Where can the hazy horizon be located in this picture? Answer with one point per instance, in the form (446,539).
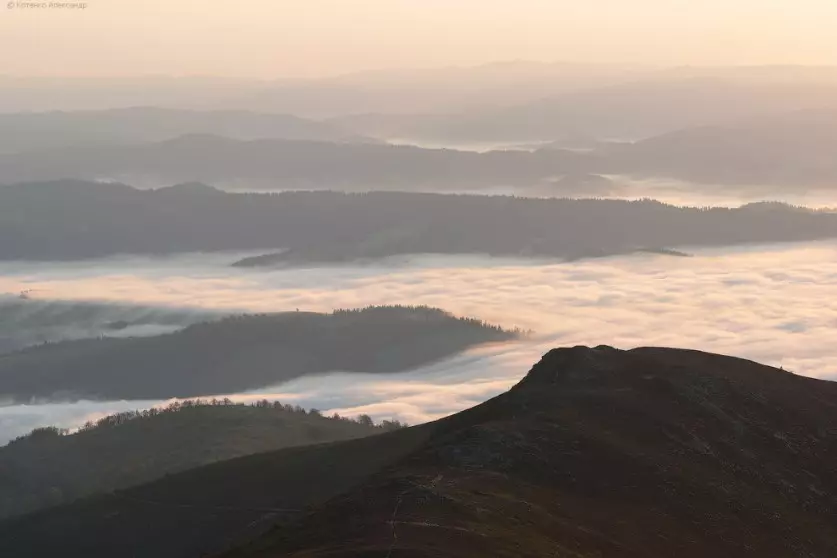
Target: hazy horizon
(318,38)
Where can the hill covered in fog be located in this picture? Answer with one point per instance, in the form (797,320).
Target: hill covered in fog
(71,220)
(49,466)
(240,353)
(31,321)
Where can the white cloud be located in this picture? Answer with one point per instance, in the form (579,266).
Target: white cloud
(773,304)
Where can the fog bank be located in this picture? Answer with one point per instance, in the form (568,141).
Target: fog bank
(773,304)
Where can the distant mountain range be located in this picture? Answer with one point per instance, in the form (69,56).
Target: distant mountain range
(70,220)
(49,467)
(411,90)
(596,452)
(794,150)
(628,111)
(278,164)
(249,151)
(37,131)
(447,90)
(240,353)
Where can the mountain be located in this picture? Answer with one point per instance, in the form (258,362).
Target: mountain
(788,148)
(280,164)
(596,452)
(49,467)
(36,131)
(392,90)
(72,220)
(631,110)
(240,353)
(793,149)
(428,90)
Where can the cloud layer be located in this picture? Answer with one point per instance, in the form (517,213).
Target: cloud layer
(773,304)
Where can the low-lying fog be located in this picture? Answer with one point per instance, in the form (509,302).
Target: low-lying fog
(773,304)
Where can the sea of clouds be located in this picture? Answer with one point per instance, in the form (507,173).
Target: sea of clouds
(774,304)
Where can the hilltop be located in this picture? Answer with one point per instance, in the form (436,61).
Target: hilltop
(596,452)
(52,466)
(240,353)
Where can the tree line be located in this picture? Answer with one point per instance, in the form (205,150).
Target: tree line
(118,419)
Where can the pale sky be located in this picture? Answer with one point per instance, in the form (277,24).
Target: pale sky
(276,38)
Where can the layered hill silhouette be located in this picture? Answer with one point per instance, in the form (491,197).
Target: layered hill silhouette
(245,151)
(794,150)
(286,164)
(240,353)
(631,110)
(35,131)
(596,452)
(50,466)
(72,220)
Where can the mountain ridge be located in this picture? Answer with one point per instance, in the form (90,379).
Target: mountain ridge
(596,451)
(523,475)
(70,220)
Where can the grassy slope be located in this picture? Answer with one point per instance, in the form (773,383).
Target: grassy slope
(597,452)
(604,453)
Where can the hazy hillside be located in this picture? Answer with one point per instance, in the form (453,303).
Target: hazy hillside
(276,164)
(597,452)
(630,110)
(46,130)
(50,467)
(241,151)
(32,321)
(794,150)
(449,88)
(70,220)
(240,353)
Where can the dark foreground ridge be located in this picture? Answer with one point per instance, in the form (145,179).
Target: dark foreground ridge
(596,452)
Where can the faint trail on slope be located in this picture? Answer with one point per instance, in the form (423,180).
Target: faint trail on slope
(393,519)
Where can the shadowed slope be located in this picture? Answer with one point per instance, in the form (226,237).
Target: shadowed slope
(597,452)
(50,467)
